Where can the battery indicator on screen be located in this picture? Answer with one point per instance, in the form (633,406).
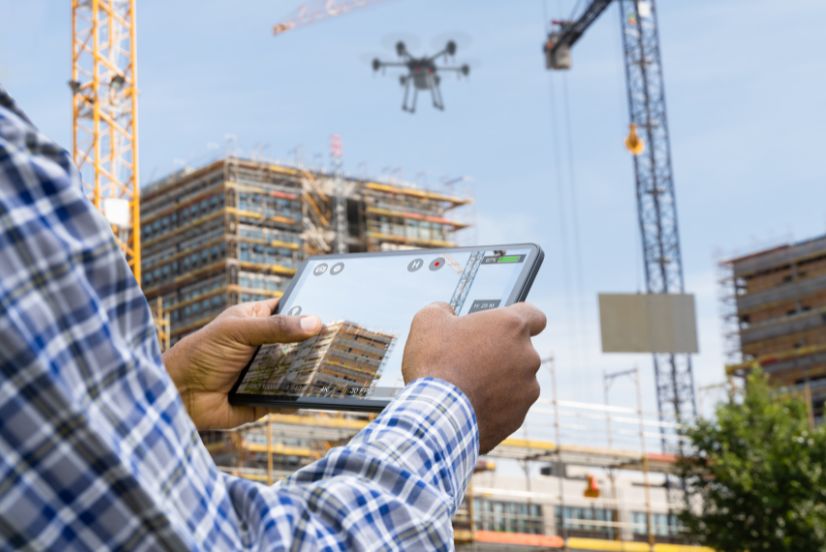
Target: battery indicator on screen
(510,259)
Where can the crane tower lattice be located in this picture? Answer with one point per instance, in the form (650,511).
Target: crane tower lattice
(654,179)
(104,115)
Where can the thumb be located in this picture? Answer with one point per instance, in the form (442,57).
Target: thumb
(274,329)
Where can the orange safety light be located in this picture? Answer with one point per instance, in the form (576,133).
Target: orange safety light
(591,489)
(633,142)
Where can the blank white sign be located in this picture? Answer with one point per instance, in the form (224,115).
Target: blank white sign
(648,323)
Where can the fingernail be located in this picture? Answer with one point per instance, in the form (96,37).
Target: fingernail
(310,323)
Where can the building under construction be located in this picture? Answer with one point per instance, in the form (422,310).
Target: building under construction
(235,230)
(776,314)
(345,359)
(590,479)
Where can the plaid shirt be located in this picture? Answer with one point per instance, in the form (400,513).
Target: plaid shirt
(96,448)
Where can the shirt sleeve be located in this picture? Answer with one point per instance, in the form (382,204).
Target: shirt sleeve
(96,448)
(396,485)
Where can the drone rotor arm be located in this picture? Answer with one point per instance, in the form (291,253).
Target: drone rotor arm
(439,54)
(465,69)
(392,64)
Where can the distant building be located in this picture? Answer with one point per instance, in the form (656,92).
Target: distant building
(344,359)
(235,230)
(777,309)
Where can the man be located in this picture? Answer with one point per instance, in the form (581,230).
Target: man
(98,435)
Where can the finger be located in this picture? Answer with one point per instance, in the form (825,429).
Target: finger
(269,305)
(534,317)
(251,308)
(265,307)
(440,307)
(274,329)
(534,361)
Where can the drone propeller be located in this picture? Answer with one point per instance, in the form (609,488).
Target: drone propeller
(403,44)
(376,64)
(465,69)
(401,49)
(441,41)
(451,48)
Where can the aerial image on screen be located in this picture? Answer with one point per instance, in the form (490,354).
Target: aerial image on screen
(367,304)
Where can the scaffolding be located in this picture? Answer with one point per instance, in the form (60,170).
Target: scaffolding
(776,304)
(235,230)
(540,507)
(162,324)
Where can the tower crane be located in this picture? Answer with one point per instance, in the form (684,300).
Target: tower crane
(105,115)
(651,150)
(105,123)
(313,11)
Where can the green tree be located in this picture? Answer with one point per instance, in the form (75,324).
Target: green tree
(756,476)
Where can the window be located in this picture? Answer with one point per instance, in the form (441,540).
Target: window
(664,526)
(582,521)
(508,516)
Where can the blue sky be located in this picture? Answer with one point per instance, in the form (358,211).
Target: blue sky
(744,82)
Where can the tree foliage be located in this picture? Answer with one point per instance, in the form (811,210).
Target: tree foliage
(756,476)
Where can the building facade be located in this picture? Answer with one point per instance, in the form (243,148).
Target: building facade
(777,314)
(235,230)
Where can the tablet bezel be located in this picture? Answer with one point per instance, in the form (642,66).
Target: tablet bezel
(518,294)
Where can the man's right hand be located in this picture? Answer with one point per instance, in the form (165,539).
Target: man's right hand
(488,355)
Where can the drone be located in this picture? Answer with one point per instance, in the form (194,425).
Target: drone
(423,73)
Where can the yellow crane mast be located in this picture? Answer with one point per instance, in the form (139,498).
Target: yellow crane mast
(105,115)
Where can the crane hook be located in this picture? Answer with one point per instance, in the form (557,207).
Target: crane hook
(633,143)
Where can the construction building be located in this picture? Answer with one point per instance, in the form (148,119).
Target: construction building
(235,230)
(345,359)
(588,480)
(776,317)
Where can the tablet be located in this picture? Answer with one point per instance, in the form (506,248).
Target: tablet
(367,302)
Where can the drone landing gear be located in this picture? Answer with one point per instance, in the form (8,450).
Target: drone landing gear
(436,94)
(409,106)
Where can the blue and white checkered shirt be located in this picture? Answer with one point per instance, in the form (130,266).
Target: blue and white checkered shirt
(96,448)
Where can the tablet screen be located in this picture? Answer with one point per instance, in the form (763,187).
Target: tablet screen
(367,303)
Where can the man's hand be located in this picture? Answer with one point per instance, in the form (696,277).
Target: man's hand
(488,355)
(204,365)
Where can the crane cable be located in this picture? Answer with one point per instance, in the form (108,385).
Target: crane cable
(568,212)
(579,276)
(571,283)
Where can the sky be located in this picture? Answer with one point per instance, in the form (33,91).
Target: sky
(744,85)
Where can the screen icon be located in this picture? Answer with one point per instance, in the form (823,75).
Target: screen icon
(483,305)
(437,263)
(294,310)
(414,265)
(336,268)
(320,269)
(503,259)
